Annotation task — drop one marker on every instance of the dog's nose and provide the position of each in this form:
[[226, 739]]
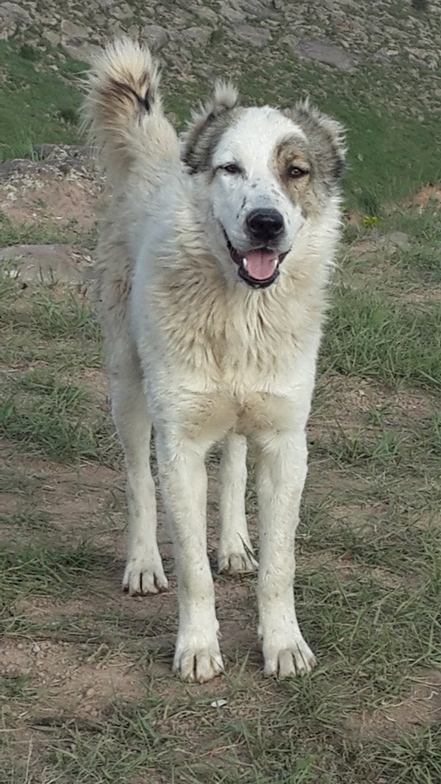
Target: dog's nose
[[265, 224]]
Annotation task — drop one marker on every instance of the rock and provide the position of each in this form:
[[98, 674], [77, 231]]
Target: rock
[[75, 41], [62, 152], [12, 18], [205, 13], [46, 263], [233, 15], [292, 42], [399, 238], [255, 36], [62, 187], [326, 52], [154, 36], [255, 9], [53, 36], [197, 36], [122, 11]]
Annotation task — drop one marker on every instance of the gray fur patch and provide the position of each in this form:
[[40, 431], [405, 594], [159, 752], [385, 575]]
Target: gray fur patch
[[202, 140], [207, 126], [326, 144]]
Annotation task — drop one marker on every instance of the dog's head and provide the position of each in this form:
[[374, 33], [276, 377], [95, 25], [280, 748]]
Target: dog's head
[[267, 173]]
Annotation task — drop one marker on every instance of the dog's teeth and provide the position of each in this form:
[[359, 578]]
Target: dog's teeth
[[245, 263]]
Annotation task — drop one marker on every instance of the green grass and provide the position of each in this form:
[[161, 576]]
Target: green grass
[[48, 569], [53, 417], [370, 335], [36, 104], [64, 330], [56, 432], [43, 233], [40, 410]]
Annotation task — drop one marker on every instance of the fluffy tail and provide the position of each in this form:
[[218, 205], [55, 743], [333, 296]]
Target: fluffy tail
[[123, 112]]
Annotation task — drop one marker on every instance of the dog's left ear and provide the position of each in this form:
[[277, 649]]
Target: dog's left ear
[[206, 126], [327, 139]]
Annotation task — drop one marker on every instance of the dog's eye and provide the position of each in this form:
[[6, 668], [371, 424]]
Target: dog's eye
[[295, 173], [232, 168]]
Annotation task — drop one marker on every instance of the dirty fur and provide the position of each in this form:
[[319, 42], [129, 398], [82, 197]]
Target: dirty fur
[[211, 270]]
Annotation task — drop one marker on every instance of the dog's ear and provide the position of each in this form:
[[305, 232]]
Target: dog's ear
[[206, 126], [326, 137]]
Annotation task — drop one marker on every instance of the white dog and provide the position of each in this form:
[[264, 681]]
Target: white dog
[[212, 264]]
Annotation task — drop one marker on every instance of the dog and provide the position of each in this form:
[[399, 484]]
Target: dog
[[212, 264]]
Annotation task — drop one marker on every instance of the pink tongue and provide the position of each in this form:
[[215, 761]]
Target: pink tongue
[[261, 264]]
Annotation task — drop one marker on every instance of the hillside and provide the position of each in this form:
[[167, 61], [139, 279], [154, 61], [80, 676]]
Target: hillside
[[373, 65]]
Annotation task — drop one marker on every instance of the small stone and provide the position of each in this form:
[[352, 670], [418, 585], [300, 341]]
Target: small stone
[[52, 36], [292, 42], [123, 11], [326, 52], [12, 18], [197, 36], [205, 13], [90, 692], [255, 36], [399, 238], [154, 36], [220, 703]]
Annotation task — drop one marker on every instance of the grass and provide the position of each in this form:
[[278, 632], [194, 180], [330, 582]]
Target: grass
[[36, 104], [370, 335], [48, 569], [43, 233]]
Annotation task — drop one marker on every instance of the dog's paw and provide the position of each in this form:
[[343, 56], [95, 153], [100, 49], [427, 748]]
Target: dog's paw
[[198, 663], [143, 576], [294, 658], [237, 563]]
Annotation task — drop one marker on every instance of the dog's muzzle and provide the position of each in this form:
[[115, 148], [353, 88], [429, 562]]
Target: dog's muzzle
[[259, 267]]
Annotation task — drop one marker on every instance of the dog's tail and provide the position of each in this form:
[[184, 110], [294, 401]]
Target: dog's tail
[[123, 112]]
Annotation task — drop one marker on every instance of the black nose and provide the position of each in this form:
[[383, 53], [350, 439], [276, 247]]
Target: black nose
[[265, 225]]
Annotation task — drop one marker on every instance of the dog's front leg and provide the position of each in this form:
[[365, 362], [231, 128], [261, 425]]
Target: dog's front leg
[[184, 485], [280, 475]]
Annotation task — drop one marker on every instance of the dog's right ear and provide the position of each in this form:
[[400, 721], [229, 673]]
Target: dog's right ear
[[206, 126]]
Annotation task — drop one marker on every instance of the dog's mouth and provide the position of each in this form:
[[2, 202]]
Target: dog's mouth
[[259, 267]]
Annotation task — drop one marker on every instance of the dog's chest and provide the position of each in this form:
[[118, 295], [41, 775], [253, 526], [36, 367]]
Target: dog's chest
[[231, 333], [228, 363]]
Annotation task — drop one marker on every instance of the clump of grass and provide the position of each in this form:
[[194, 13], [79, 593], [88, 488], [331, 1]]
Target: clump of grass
[[46, 570], [42, 233], [370, 335], [55, 420]]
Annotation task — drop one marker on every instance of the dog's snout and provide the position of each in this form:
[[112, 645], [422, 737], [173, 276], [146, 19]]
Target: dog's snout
[[265, 224]]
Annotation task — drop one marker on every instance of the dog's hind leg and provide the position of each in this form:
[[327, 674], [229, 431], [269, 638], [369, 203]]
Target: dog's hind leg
[[235, 551], [184, 487], [144, 573]]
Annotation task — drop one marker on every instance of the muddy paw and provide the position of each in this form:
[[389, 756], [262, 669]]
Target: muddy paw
[[142, 577]]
